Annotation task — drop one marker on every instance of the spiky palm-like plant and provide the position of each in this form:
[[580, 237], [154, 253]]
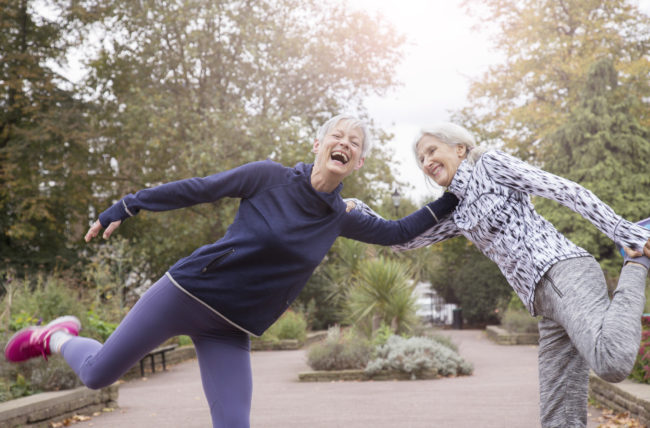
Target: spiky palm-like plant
[[382, 293]]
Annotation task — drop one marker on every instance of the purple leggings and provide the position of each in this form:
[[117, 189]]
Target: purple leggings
[[165, 311]]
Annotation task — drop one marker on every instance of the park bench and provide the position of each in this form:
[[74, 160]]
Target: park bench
[[151, 356]]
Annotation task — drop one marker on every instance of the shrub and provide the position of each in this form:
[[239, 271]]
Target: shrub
[[97, 327], [340, 351], [22, 320], [184, 341], [34, 376], [641, 370], [291, 325], [381, 335], [444, 341], [478, 291], [416, 355], [519, 322], [516, 318], [20, 387], [47, 299], [31, 302], [383, 292]]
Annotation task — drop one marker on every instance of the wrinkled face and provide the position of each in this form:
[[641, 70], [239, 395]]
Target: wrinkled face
[[439, 160], [340, 150]]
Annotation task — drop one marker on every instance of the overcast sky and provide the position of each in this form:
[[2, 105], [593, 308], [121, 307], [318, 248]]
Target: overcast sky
[[442, 53]]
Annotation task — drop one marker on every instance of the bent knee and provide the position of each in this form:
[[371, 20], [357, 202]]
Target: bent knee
[[612, 376], [614, 373], [96, 382]]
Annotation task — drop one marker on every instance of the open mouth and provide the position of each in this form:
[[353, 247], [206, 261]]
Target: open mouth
[[340, 157], [435, 170]]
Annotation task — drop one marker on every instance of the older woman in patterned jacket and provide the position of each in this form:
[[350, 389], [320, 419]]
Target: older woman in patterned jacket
[[581, 327]]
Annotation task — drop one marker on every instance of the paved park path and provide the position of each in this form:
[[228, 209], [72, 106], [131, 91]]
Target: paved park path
[[502, 393]]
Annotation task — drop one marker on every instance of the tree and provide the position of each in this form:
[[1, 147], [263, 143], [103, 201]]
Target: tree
[[190, 88], [603, 147], [548, 47], [462, 275], [44, 192]]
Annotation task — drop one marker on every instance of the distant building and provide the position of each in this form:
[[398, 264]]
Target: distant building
[[431, 307]]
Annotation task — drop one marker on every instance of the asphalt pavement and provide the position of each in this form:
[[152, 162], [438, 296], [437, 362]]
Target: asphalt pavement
[[502, 393]]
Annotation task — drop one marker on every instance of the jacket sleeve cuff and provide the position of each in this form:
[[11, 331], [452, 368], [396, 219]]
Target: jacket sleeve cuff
[[119, 211]]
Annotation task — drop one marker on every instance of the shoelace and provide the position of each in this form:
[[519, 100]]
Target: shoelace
[[37, 340]]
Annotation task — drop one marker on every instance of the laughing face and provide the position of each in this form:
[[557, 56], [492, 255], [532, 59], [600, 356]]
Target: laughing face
[[439, 160], [339, 152]]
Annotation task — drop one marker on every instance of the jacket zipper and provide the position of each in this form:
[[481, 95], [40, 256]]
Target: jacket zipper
[[217, 260]]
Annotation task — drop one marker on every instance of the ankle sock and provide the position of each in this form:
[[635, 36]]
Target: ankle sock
[[57, 339]]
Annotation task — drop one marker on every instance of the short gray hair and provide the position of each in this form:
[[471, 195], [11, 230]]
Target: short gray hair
[[355, 123], [452, 135]]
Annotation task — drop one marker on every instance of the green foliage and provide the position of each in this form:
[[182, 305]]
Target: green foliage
[[444, 341], [547, 48], [101, 328], [330, 283], [291, 325], [197, 87], [641, 370], [43, 300], [115, 273], [34, 376], [519, 322], [603, 147], [416, 355], [184, 340], [570, 96], [383, 292], [29, 301], [20, 388], [22, 320], [516, 318], [340, 351], [462, 275], [381, 335], [515, 303], [44, 190]]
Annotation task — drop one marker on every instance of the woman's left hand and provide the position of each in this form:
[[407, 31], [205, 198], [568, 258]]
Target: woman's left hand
[[645, 251], [97, 226], [633, 253]]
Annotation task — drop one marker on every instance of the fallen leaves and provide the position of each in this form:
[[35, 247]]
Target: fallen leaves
[[610, 419], [70, 421], [77, 418]]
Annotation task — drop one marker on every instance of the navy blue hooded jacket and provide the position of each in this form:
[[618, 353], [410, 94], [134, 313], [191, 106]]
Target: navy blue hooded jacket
[[282, 231]]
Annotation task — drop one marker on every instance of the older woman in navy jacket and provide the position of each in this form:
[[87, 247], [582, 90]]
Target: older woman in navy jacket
[[238, 286]]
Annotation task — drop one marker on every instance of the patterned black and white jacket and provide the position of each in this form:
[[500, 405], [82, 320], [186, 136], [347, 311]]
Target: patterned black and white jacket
[[496, 214]]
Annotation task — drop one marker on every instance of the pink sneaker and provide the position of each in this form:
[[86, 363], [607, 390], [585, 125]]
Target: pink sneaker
[[34, 341]]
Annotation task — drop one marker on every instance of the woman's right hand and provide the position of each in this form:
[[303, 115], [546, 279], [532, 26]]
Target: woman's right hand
[[97, 226]]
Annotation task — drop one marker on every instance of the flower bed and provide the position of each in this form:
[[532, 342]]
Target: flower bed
[[346, 356]]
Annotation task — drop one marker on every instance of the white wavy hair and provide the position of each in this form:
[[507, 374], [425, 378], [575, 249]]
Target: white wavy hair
[[452, 135], [354, 123]]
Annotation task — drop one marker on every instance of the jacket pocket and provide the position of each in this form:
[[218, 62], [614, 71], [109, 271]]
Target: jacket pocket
[[554, 286], [217, 260]]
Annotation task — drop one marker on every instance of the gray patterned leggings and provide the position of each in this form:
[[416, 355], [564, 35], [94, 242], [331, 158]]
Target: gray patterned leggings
[[581, 328]]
